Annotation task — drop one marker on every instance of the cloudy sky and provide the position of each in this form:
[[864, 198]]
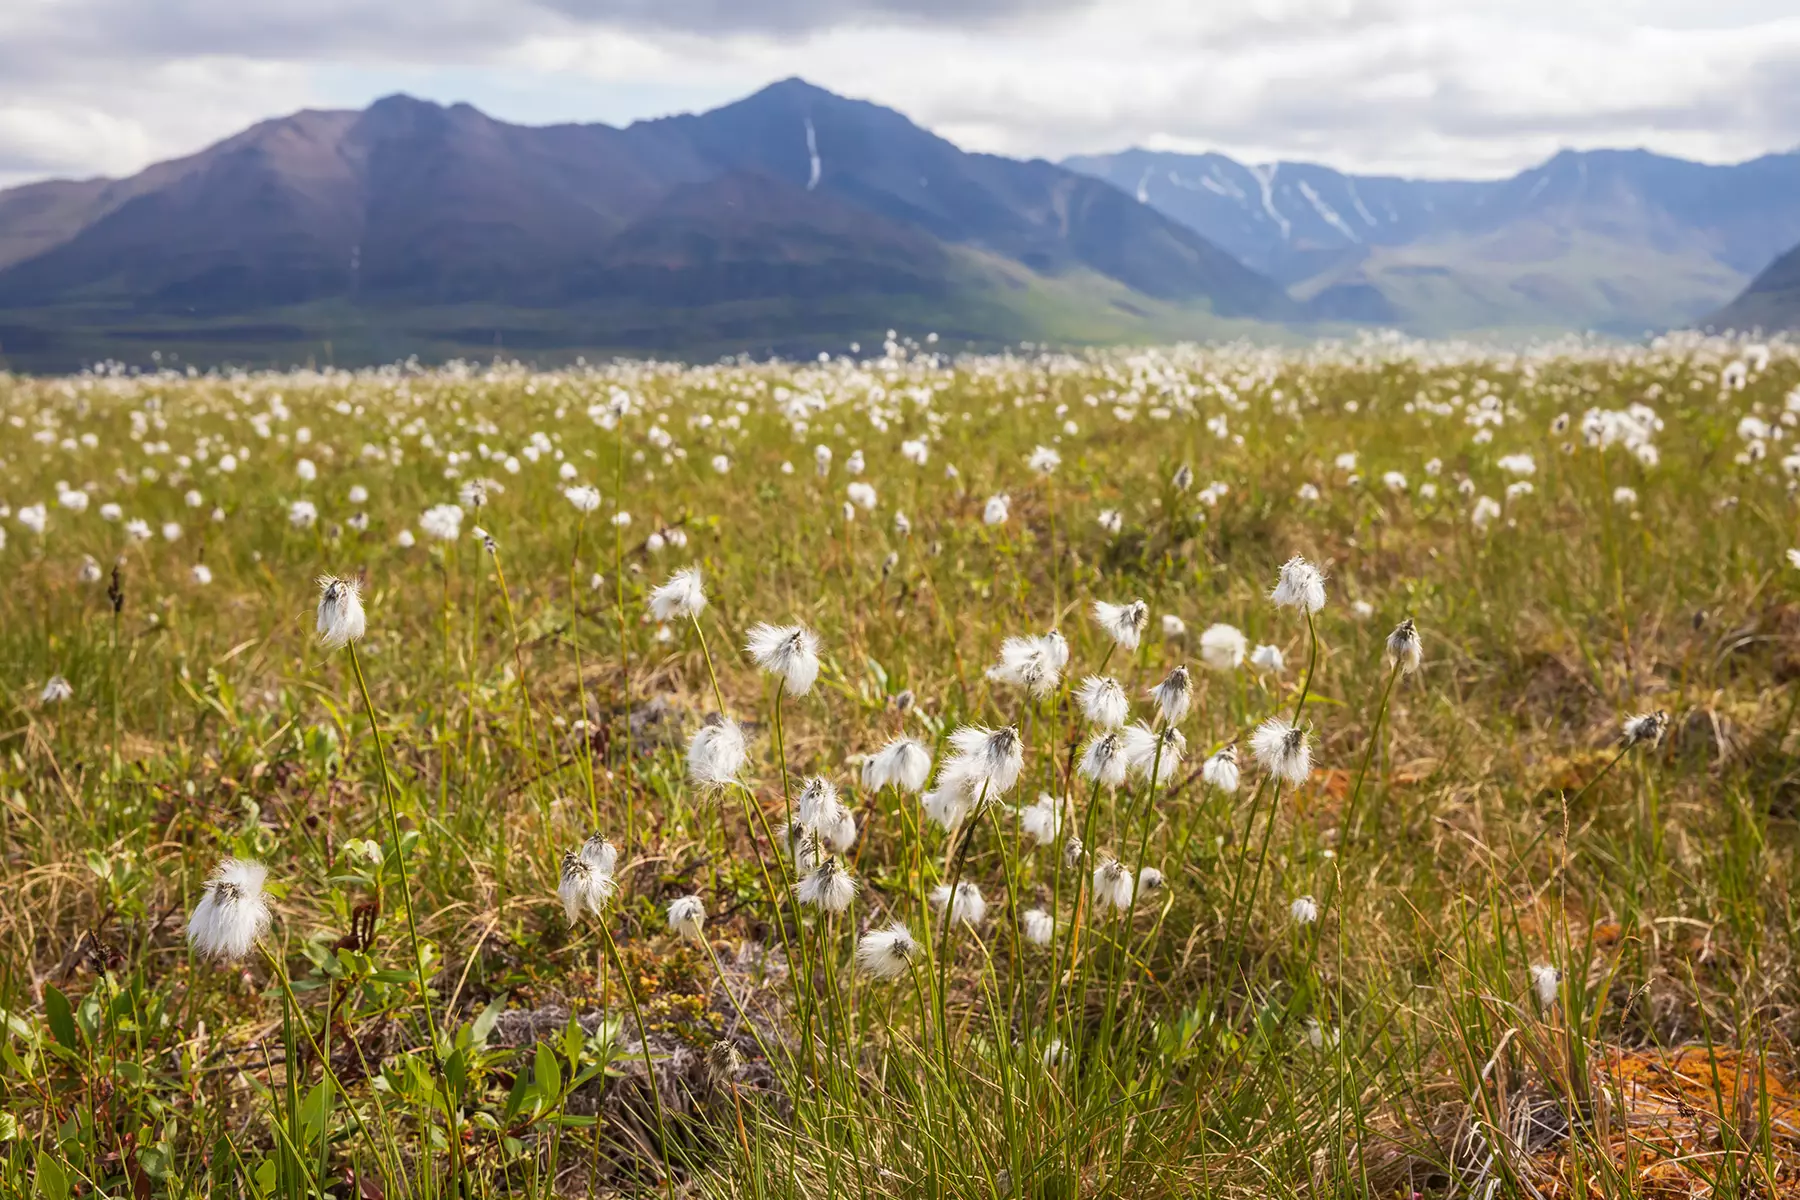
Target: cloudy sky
[[1419, 87]]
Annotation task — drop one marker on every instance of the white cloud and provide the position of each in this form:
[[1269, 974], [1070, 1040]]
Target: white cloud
[[1451, 88]]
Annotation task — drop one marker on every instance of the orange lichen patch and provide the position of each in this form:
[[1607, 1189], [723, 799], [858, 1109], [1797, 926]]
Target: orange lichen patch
[[1685, 1123]]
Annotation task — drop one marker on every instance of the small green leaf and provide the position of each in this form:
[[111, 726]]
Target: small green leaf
[[484, 1024], [549, 1075], [61, 1017], [52, 1180]]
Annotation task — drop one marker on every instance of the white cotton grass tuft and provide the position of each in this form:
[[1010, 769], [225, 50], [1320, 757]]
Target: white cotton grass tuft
[[1029, 663], [948, 804], [1041, 821], [1057, 647], [232, 912], [1173, 626], [716, 752], [1038, 926], [584, 497], [1644, 729], [340, 617], [969, 908], [903, 763], [442, 522], [582, 886], [1148, 750], [1267, 659], [818, 805], [1123, 623], [1404, 651], [1103, 760], [1222, 647], [1043, 461], [684, 595], [687, 917], [838, 834], [1300, 585], [1150, 882], [986, 761], [997, 509], [828, 887], [1174, 695], [790, 652], [1283, 750], [1546, 984], [56, 690], [1304, 910], [1113, 885], [1220, 771], [1103, 701], [887, 953]]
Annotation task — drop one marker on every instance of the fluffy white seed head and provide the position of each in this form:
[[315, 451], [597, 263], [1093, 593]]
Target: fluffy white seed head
[[581, 888], [1546, 982], [584, 497], [828, 887], [1113, 884], [1301, 586], [1157, 752], [687, 917], [1644, 729], [949, 803], [1103, 701], [232, 912], [1174, 695], [1403, 648], [969, 908], [988, 761], [1038, 926], [683, 595], [1103, 760], [1304, 910], [56, 690], [1042, 821], [1028, 663], [903, 763], [790, 652], [1150, 882], [1123, 623], [716, 752], [1222, 647], [1267, 659], [997, 509], [1283, 750], [887, 953], [818, 805], [340, 616], [1220, 771], [442, 522]]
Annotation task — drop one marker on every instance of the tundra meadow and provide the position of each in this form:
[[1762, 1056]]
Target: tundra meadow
[[1365, 771]]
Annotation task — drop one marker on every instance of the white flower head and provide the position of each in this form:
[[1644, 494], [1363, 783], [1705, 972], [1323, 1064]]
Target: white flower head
[[997, 509], [1123, 623], [788, 651], [442, 522], [56, 690], [716, 752], [584, 497], [340, 616], [687, 917], [969, 908], [887, 953], [1103, 701], [1150, 882], [1043, 461], [1644, 729], [1174, 695], [303, 514], [682, 596], [1222, 647], [90, 569], [1546, 982], [1283, 750], [1403, 648], [818, 804], [986, 760], [1103, 761], [1300, 586], [1267, 659], [948, 804], [1304, 910], [862, 495], [1173, 626], [1057, 647], [1184, 478], [1041, 821], [1220, 771], [1038, 926], [1028, 663], [36, 518], [475, 493], [581, 887], [1154, 753], [828, 887], [232, 912], [903, 763], [1113, 884], [1111, 521]]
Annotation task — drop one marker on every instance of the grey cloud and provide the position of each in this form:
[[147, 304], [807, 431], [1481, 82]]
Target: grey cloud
[[788, 17]]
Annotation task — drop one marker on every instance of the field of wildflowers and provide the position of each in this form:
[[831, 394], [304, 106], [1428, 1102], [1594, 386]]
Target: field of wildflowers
[[1366, 771]]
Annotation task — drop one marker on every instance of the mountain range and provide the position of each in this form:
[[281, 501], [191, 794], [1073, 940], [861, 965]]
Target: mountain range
[[1620, 241], [796, 220]]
